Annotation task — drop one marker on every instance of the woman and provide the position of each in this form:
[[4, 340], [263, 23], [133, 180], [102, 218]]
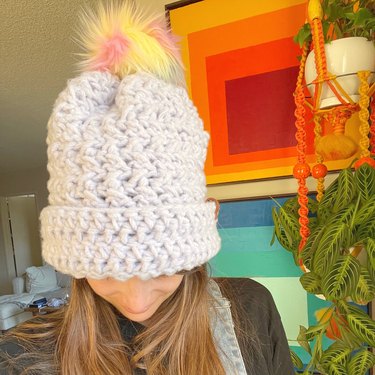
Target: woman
[[128, 219]]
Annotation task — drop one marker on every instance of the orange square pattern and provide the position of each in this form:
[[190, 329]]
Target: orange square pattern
[[260, 34], [249, 62]]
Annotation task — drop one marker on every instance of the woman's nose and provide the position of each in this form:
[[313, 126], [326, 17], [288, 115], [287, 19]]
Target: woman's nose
[[138, 292]]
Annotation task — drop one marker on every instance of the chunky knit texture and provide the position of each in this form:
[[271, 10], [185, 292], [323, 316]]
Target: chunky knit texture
[[127, 187]]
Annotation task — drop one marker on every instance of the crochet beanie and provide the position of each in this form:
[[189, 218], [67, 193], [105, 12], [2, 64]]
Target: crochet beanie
[[126, 151]]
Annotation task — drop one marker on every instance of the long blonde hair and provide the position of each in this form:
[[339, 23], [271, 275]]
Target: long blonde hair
[[86, 337]]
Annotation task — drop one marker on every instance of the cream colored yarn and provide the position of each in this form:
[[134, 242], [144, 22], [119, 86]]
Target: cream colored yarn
[[127, 187]]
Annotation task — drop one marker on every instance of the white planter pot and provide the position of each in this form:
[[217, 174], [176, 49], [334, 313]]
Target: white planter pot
[[344, 56]]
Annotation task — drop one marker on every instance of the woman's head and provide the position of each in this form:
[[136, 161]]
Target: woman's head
[[127, 202], [179, 325]]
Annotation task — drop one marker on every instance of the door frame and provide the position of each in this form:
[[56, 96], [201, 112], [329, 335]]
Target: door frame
[[8, 247]]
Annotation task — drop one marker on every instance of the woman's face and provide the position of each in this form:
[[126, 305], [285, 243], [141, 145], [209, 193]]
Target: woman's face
[[135, 298]]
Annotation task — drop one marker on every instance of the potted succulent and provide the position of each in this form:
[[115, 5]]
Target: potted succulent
[[348, 30], [342, 230]]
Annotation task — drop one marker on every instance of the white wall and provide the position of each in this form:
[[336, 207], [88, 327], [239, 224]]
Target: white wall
[[33, 181]]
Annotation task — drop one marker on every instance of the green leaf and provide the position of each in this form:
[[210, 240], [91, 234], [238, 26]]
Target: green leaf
[[362, 326], [349, 308], [362, 16], [287, 231], [279, 232], [313, 223], [347, 337], [337, 353], [371, 271], [314, 331], [312, 205], [330, 193], [342, 306], [311, 245], [337, 369], [283, 237], [346, 189], [291, 206], [342, 278], [311, 282], [304, 35], [317, 350], [325, 205], [296, 360], [290, 225], [334, 12], [370, 247], [346, 20], [365, 289], [345, 215], [320, 369], [273, 237], [366, 230], [361, 362], [364, 178], [302, 340], [365, 212], [333, 239]]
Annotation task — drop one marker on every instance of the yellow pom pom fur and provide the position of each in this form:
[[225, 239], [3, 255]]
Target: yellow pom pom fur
[[123, 40]]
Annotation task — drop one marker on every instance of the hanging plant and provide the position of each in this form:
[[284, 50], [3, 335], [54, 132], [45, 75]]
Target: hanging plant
[[343, 18], [342, 230]]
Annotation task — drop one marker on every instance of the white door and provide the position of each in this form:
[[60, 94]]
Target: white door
[[23, 246]]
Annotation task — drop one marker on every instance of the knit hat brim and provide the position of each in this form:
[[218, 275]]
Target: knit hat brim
[[121, 243]]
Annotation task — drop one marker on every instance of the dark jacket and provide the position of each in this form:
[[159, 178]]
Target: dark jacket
[[267, 354], [256, 304]]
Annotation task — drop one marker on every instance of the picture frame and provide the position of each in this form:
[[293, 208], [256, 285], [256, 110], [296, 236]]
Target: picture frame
[[251, 125]]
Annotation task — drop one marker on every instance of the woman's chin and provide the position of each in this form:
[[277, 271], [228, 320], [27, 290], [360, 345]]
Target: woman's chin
[[139, 315]]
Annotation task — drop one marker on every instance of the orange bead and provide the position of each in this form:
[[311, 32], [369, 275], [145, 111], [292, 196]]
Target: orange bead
[[319, 171], [361, 161], [301, 170]]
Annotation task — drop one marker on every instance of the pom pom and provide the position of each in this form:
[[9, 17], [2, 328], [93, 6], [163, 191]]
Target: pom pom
[[123, 40], [336, 147]]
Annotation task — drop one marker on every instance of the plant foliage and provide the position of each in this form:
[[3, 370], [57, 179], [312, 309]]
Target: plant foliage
[[342, 232], [343, 18]]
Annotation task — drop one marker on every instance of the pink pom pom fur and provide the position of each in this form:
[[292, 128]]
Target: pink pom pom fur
[[111, 53]]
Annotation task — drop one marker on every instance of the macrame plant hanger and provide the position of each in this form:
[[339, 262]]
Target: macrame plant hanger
[[337, 116]]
